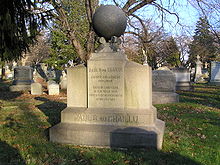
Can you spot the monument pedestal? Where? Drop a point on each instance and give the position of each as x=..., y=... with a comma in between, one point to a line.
x=109, y=104
x=165, y=97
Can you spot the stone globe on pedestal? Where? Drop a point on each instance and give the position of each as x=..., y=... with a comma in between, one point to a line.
x=109, y=21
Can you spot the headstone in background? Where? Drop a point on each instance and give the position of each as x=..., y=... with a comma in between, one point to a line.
x=164, y=87
x=8, y=72
x=215, y=73
x=182, y=78
x=198, y=73
x=53, y=89
x=63, y=80
x=51, y=75
x=36, y=89
x=23, y=77
x=109, y=102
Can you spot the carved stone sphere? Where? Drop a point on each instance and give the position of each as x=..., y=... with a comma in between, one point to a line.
x=109, y=21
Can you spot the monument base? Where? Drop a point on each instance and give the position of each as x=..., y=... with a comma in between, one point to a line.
x=17, y=88
x=118, y=129
x=184, y=86
x=165, y=97
x=214, y=83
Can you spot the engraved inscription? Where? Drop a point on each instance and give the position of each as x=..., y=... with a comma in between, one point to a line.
x=106, y=85
x=106, y=118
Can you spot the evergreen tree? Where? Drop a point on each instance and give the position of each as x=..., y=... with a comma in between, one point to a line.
x=203, y=43
x=62, y=46
x=19, y=25
x=173, y=53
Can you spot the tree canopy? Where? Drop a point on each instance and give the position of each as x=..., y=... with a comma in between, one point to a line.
x=203, y=43
x=20, y=22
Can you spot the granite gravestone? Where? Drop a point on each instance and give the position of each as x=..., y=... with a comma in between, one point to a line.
x=164, y=87
x=215, y=73
x=182, y=79
x=23, y=77
x=109, y=102
x=36, y=89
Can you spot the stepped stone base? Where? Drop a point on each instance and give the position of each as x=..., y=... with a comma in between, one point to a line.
x=118, y=129
x=214, y=83
x=165, y=97
x=16, y=88
x=184, y=86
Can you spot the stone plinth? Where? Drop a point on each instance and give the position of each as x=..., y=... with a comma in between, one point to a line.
x=215, y=73
x=182, y=79
x=164, y=87
x=23, y=77
x=109, y=104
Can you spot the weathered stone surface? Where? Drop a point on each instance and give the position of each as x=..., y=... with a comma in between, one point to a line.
x=182, y=79
x=163, y=81
x=36, y=89
x=215, y=73
x=23, y=77
x=53, y=89
x=165, y=97
x=77, y=87
x=164, y=87
x=109, y=21
x=106, y=81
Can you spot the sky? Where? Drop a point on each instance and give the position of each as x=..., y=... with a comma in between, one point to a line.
x=188, y=16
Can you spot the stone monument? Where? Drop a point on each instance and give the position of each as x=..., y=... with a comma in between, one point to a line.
x=109, y=102
x=182, y=78
x=198, y=73
x=23, y=77
x=215, y=73
x=164, y=86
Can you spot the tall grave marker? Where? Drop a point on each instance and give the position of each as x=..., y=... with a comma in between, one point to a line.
x=109, y=102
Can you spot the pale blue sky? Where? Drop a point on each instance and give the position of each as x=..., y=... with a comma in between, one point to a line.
x=188, y=16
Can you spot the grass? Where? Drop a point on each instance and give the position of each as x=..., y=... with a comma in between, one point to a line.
x=191, y=137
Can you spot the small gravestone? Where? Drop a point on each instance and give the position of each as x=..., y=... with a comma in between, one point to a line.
x=23, y=78
x=182, y=79
x=215, y=73
x=36, y=89
x=53, y=89
x=109, y=102
x=164, y=87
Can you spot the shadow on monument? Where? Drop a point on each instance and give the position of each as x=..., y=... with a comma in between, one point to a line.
x=133, y=137
x=52, y=109
x=9, y=155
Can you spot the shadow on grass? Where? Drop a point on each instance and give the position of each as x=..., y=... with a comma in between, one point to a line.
x=5, y=94
x=207, y=98
x=10, y=155
x=52, y=109
x=155, y=157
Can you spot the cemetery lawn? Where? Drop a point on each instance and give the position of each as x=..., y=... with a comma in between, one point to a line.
x=192, y=134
